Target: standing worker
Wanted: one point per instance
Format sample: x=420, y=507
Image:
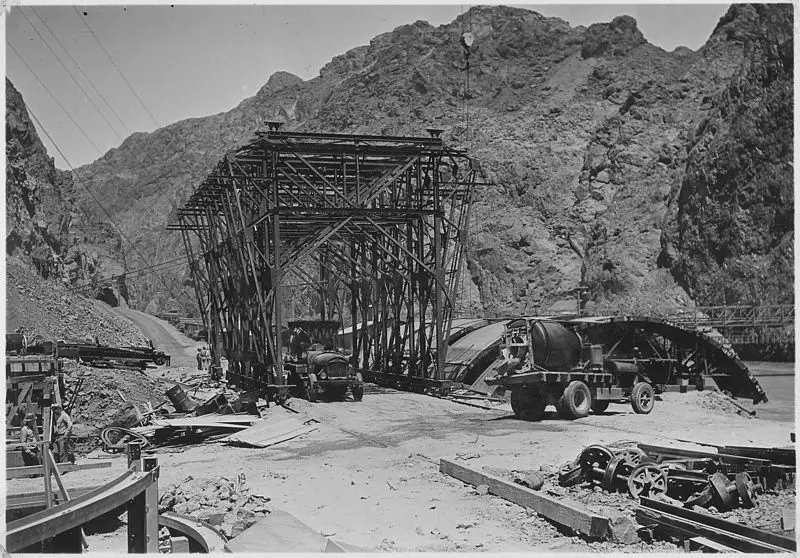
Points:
x=206, y=358
x=199, y=357
x=61, y=439
x=29, y=440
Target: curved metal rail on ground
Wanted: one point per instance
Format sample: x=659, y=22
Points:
x=58, y=519
x=205, y=537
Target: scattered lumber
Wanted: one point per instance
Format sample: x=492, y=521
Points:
x=559, y=510
x=37, y=470
x=266, y=433
x=688, y=524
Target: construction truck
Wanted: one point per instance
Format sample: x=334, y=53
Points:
x=316, y=366
x=547, y=363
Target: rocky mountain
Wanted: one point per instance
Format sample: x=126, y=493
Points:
x=45, y=224
x=655, y=178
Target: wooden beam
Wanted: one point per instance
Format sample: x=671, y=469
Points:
x=732, y=534
x=559, y=510
x=680, y=452
x=35, y=470
x=47, y=523
x=49, y=456
x=701, y=543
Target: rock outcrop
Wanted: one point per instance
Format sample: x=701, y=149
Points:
x=600, y=149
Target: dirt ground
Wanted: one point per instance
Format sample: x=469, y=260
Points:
x=368, y=476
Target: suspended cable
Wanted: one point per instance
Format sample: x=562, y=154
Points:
x=71, y=76
x=54, y=98
x=66, y=50
x=141, y=272
x=153, y=118
x=97, y=201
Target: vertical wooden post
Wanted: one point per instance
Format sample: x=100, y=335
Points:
x=48, y=486
x=143, y=512
x=135, y=455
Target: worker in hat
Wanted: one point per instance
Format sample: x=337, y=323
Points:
x=29, y=441
x=62, y=434
x=199, y=357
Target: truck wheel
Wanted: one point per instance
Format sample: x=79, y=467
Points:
x=576, y=401
x=599, y=406
x=526, y=404
x=358, y=393
x=311, y=392
x=160, y=361
x=642, y=398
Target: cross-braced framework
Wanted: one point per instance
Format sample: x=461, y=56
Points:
x=376, y=224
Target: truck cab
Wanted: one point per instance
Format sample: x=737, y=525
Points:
x=315, y=365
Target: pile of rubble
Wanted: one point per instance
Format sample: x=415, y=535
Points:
x=224, y=503
x=48, y=311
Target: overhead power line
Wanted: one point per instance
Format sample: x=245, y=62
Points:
x=153, y=118
x=71, y=76
x=66, y=50
x=55, y=99
x=97, y=201
x=141, y=272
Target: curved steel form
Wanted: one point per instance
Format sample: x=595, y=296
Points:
x=672, y=352
x=202, y=536
x=135, y=489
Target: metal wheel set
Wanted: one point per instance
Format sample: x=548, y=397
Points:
x=630, y=469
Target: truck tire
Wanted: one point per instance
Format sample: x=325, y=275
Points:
x=576, y=401
x=599, y=406
x=358, y=393
x=642, y=398
x=526, y=404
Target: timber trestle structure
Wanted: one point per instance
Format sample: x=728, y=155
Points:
x=375, y=224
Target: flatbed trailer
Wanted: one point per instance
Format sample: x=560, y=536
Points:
x=573, y=393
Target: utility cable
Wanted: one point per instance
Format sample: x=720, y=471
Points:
x=133, y=273
x=66, y=50
x=100, y=205
x=55, y=99
x=153, y=118
x=71, y=76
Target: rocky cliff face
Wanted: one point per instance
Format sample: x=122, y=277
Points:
x=45, y=226
x=600, y=147
x=729, y=238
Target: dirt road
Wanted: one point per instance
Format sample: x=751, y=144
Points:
x=370, y=475
x=164, y=336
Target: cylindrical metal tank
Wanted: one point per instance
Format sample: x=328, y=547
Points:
x=555, y=347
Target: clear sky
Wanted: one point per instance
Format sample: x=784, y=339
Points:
x=166, y=64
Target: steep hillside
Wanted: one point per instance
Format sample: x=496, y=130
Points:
x=593, y=138
x=730, y=235
x=45, y=226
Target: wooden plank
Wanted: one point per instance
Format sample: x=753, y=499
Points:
x=47, y=523
x=49, y=456
x=722, y=524
x=45, y=467
x=687, y=529
x=561, y=510
x=20, y=472
x=36, y=499
x=782, y=456
x=681, y=452
x=697, y=543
